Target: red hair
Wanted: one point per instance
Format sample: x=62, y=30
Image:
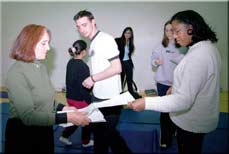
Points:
x=24, y=46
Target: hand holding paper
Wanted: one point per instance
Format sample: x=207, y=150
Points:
x=78, y=118
x=93, y=112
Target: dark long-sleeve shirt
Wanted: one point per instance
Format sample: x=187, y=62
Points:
x=77, y=72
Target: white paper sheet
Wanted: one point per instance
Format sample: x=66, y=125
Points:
x=93, y=112
x=121, y=99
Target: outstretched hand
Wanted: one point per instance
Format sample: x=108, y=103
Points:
x=137, y=105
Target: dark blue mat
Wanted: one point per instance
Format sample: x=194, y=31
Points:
x=3, y=94
x=217, y=142
x=138, y=125
x=140, y=138
x=4, y=108
x=152, y=117
x=223, y=120
x=147, y=117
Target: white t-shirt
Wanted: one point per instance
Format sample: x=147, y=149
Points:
x=103, y=49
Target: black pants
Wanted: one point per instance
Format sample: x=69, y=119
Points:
x=20, y=138
x=106, y=135
x=85, y=136
x=189, y=142
x=127, y=71
x=167, y=126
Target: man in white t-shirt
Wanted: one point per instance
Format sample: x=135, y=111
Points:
x=106, y=83
x=105, y=58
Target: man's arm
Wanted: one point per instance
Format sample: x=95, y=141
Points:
x=113, y=69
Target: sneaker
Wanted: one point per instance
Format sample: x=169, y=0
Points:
x=65, y=140
x=90, y=143
x=163, y=146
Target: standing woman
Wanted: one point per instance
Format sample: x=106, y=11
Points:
x=126, y=47
x=33, y=110
x=194, y=101
x=165, y=58
x=77, y=95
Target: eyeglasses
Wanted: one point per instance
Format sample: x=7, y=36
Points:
x=180, y=29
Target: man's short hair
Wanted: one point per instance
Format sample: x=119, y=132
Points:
x=83, y=13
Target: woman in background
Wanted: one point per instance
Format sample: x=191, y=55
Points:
x=126, y=47
x=77, y=95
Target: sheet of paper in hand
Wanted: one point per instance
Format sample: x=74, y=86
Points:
x=93, y=114
x=121, y=99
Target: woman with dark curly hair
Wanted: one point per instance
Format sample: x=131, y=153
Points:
x=194, y=102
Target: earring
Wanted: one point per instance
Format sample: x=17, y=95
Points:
x=189, y=32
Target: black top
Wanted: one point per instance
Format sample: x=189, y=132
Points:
x=77, y=72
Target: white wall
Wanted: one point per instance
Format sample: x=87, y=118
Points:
x=146, y=18
x=1, y=74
